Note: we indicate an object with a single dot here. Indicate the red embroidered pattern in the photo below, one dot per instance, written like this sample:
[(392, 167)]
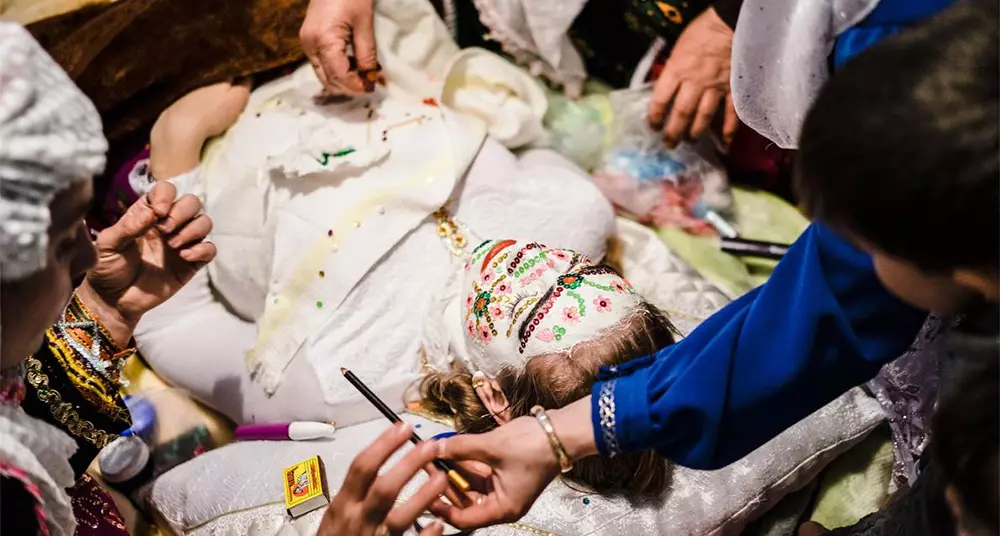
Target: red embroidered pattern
[(10, 471)]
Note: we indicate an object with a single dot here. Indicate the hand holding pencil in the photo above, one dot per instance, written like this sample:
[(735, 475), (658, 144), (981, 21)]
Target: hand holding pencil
[(366, 503)]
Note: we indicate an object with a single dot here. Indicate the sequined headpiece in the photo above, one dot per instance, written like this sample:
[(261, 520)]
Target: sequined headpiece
[(525, 300)]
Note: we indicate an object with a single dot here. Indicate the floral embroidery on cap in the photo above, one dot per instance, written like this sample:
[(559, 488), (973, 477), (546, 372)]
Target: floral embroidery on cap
[(482, 302), (571, 281), (603, 304)]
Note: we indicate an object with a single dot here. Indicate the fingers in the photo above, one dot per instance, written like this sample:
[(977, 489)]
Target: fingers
[(161, 198), (732, 121), (365, 466), (703, 117), (403, 516), (363, 32), (383, 492), (663, 93), (685, 105), (139, 218), (324, 80), (199, 254), (194, 231), (467, 447), (182, 211), (488, 511), (333, 58)]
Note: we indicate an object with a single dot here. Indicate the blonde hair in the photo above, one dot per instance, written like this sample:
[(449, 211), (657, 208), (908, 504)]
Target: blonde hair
[(557, 379)]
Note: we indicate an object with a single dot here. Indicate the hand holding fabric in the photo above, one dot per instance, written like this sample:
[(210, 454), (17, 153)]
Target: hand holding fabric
[(695, 79), (145, 258), (364, 506), (328, 28)]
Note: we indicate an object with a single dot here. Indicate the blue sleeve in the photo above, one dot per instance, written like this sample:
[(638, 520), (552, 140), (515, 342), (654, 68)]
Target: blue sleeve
[(821, 324)]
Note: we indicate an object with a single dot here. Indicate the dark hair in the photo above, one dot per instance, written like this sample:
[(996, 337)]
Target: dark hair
[(965, 441), (557, 379), (900, 149)]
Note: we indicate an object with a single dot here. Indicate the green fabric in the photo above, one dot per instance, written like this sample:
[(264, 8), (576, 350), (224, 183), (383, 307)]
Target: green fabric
[(759, 216), (856, 483)]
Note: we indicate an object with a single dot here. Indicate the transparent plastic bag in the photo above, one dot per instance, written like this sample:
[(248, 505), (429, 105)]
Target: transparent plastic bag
[(664, 187), (579, 129)]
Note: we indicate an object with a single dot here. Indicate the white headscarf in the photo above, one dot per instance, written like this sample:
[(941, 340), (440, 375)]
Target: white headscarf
[(50, 137), (780, 57)]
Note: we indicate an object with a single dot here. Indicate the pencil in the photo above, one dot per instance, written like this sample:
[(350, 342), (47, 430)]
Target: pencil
[(453, 475)]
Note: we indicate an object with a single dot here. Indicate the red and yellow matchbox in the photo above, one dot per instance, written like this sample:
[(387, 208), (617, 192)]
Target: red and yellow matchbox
[(305, 487)]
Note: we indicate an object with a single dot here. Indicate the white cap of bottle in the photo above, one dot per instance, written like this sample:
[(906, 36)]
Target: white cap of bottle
[(123, 459)]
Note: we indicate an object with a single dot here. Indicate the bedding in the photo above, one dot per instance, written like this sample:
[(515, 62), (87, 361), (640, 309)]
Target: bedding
[(236, 488)]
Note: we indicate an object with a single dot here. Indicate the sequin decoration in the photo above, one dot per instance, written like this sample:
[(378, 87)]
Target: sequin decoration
[(95, 511)]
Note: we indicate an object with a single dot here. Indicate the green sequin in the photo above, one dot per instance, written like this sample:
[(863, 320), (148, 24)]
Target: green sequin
[(327, 156)]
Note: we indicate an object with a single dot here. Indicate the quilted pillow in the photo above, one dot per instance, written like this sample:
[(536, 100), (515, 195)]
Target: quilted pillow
[(237, 489)]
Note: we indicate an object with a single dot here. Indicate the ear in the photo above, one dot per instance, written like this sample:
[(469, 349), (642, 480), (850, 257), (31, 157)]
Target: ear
[(492, 396), (983, 282)]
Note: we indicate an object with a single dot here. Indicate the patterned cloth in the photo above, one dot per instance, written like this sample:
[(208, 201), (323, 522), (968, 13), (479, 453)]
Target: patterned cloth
[(907, 389), (95, 511)]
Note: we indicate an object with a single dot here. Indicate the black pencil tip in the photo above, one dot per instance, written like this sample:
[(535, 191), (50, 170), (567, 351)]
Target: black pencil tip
[(343, 370)]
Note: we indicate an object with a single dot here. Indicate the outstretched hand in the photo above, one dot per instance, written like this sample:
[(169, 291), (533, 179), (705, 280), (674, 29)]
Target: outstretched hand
[(145, 258), (695, 81)]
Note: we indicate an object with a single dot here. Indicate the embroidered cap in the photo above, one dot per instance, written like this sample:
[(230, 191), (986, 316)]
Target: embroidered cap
[(525, 300)]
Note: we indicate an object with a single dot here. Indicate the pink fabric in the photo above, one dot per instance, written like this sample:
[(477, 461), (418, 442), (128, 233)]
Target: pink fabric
[(10, 471)]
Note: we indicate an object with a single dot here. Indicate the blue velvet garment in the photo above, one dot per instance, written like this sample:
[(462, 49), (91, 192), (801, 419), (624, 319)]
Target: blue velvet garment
[(821, 325), (888, 18)]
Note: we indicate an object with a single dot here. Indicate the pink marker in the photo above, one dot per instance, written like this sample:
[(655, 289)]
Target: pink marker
[(295, 431)]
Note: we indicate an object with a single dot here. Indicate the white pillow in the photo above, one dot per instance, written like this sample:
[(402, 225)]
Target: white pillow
[(237, 489)]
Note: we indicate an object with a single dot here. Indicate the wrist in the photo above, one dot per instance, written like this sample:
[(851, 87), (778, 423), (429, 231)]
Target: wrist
[(573, 426), (118, 325), (717, 21)]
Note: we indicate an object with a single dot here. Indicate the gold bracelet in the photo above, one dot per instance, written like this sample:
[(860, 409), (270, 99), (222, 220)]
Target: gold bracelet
[(565, 463), (63, 411)]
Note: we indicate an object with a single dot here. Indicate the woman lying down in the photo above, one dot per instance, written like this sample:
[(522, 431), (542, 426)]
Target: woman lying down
[(353, 234)]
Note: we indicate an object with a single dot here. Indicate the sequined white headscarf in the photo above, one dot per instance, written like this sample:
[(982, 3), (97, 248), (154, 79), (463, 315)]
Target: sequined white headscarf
[(50, 137)]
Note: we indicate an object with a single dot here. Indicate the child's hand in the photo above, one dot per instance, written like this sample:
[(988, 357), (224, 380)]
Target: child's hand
[(181, 131)]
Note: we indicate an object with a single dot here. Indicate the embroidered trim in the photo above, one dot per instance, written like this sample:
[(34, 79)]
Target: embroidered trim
[(21, 476), (63, 411), (606, 412)]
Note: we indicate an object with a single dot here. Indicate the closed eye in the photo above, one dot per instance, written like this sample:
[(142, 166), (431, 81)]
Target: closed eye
[(515, 301)]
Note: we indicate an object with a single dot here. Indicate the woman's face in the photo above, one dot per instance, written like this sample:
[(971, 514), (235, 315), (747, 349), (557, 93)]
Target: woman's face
[(31, 305), (524, 300)]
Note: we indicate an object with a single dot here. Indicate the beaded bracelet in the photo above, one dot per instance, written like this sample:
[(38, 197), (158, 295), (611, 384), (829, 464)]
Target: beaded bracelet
[(88, 338), (565, 462)]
